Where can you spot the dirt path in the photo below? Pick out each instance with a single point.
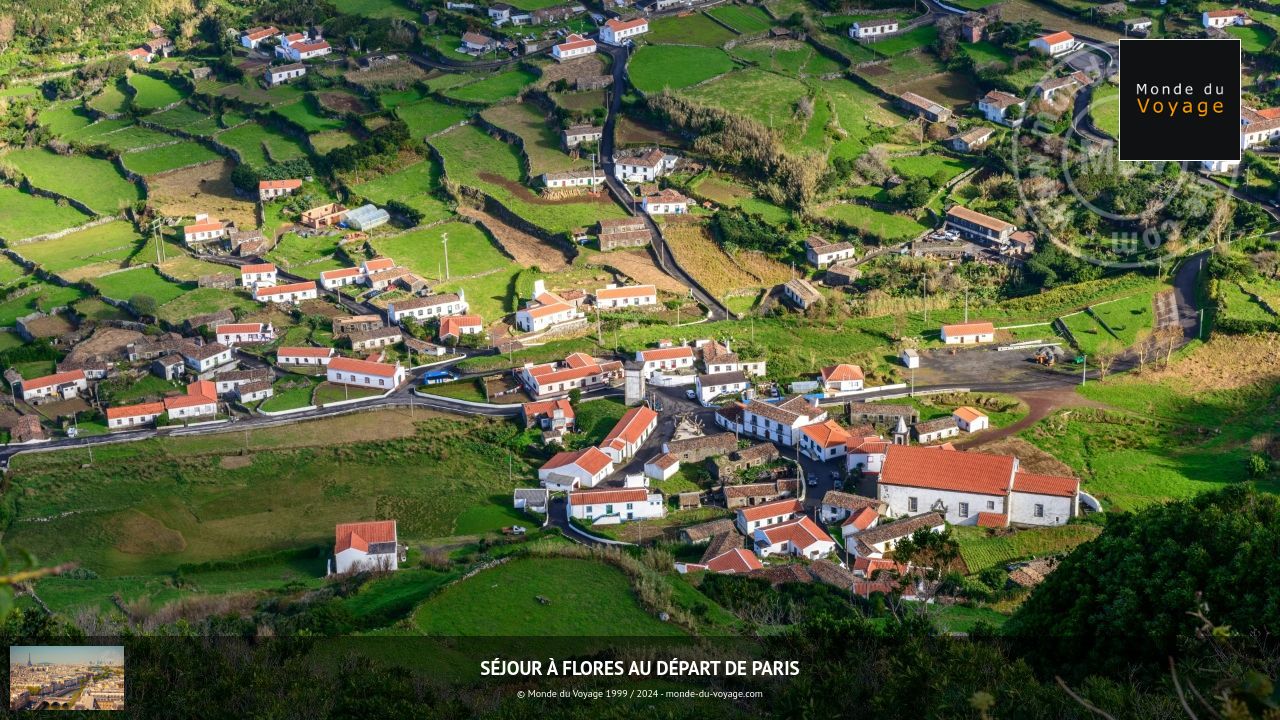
(527, 250)
(1041, 404)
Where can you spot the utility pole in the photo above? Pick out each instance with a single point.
(1084, 369)
(444, 240)
(966, 305)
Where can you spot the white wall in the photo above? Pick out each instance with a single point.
(896, 497)
(1057, 510)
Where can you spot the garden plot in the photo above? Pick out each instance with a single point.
(96, 183)
(377, 9)
(949, 88)
(326, 142)
(541, 141)
(474, 159)
(672, 67)
(471, 252)
(65, 119)
(581, 102)
(726, 192)
(187, 119)
(201, 189)
(1026, 10)
(416, 185)
(111, 100)
(722, 274)
(746, 19)
(167, 157)
(24, 216)
(151, 93)
(84, 253)
(430, 116)
(259, 145)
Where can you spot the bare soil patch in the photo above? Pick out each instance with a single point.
(527, 250)
(140, 534)
(235, 462)
(320, 307)
(639, 266)
(203, 188)
(103, 341)
(342, 103)
(1223, 363)
(398, 75)
(873, 70)
(49, 326)
(1030, 457)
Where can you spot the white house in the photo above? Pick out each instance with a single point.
(872, 29)
(607, 506)
(629, 434)
(710, 387)
(665, 202)
(865, 453)
(334, 279)
(252, 37)
(619, 32)
(303, 48)
(780, 422)
(614, 297)
(456, 326)
(969, 488)
(579, 371)
(1220, 166)
(910, 358)
(572, 470)
(662, 466)
(574, 46)
(576, 135)
(421, 308)
(877, 540)
(272, 189)
(366, 546)
(63, 385)
(749, 519)
(499, 13)
(971, 419)
(841, 378)
(718, 358)
(313, 356)
(995, 106)
(545, 310)
(1055, 44)
(203, 358)
(824, 441)
(644, 168)
(968, 333)
(365, 373)
(201, 400)
(291, 293)
(800, 537)
(239, 333)
(935, 430)
(1224, 18)
(258, 275)
(206, 230)
(838, 506)
(254, 391)
(278, 74)
(127, 416)
(801, 293)
(1257, 127)
(573, 178)
(662, 359)
(821, 253)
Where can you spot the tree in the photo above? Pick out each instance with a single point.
(929, 556)
(575, 397)
(1125, 599)
(143, 304)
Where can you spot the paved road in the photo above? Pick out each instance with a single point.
(659, 247)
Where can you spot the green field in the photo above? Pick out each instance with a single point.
(773, 103)
(430, 116)
(96, 183)
(306, 115)
(136, 519)
(378, 9)
(415, 185)
(111, 100)
(324, 142)
(167, 157)
(473, 158)
(45, 299)
(745, 19)
(392, 99)
(19, 91)
(24, 216)
(857, 112)
(981, 549)
(789, 57)
(724, 191)
(689, 30)
(110, 245)
(186, 118)
(1127, 318)
(131, 137)
(143, 280)
(200, 301)
(655, 67)
(1253, 38)
(152, 93)
(928, 165)
(910, 40)
(504, 602)
(470, 250)
(260, 145)
(541, 140)
(312, 253)
(497, 87)
(1104, 108)
(878, 224)
(65, 118)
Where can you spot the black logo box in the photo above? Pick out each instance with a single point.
(1179, 137)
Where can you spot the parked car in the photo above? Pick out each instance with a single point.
(813, 481)
(691, 394)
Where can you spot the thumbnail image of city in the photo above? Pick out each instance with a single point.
(66, 677)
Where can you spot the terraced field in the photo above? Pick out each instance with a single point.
(96, 183)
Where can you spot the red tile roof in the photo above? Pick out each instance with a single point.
(800, 532)
(258, 268)
(601, 497)
(632, 425)
(203, 227)
(617, 25)
(284, 289)
(968, 414)
(379, 263)
(593, 460)
(364, 367)
(304, 352)
(545, 407)
(360, 535)
(973, 328)
(626, 291)
(239, 328)
(826, 434)
(575, 42)
(861, 519)
(841, 373)
(978, 218)
(773, 509)
(341, 273)
(992, 520)
(734, 561)
(54, 379)
(124, 411)
(453, 324)
(672, 353)
(1061, 36)
(1026, 482)
(937, 469)
(279, 184)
